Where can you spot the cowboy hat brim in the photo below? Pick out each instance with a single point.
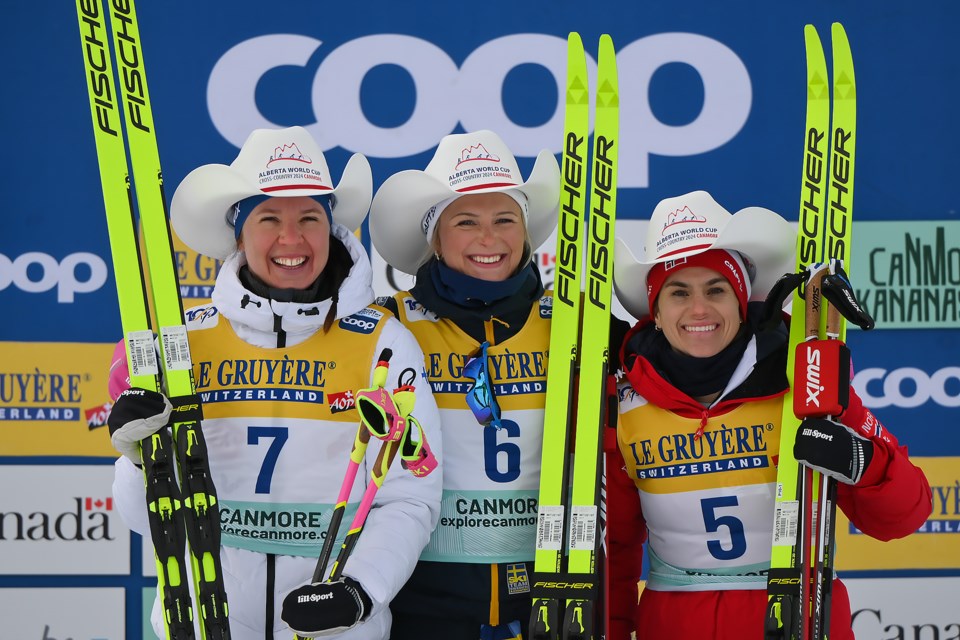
(400, 203)
(199, 208)
(762, 236)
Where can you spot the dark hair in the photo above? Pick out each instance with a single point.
(334, 273)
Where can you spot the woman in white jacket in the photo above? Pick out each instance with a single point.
(291, 334)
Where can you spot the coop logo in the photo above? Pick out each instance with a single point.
(36, 272)
(87, 520)
(908, 387)
(358, 323)
(448, 95)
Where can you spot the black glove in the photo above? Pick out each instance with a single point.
(137, 414)
(832, 449)
(325, 608)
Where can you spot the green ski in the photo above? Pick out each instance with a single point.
(566, 588)
(594, 352)
(839, 232)
(801, 568)
(184, 516)
(549, 589)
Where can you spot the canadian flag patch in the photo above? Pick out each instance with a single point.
(98, 504)
(342, 401)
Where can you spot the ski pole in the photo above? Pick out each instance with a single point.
(415, 453)
(810, 367)
(385, 416)
(822, 377)
(826, 511)
(838, 291)
(357, 452)
(384, 459)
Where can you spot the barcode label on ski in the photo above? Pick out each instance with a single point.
(550, 528)
(785, 523)
(583, 528)
(143, 356)
(176, 349)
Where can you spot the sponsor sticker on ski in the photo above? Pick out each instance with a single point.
(143, 357)
(176, 348)
(785, 523)
(583, 525)
(549, 527)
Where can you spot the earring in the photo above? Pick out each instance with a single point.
(657, 327)
(437, 255)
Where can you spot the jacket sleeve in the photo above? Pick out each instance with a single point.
(128, 486)
(626, 533)
(406, 508)
(893, 498)
(130, 496)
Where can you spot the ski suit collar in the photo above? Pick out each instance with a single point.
(506, 315)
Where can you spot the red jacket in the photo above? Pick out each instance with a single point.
(891, 501)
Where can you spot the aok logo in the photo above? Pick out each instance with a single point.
(471, 94)
(36, 272)
(908, 387)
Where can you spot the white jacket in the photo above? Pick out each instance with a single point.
(406, 508)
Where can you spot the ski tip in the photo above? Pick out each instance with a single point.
(810, 33)
(605, 48)
(838, 33)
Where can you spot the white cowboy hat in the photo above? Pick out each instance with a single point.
(693, 223)
(281, 163)
(463, 164)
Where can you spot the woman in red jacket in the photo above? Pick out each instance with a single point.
(699, 433)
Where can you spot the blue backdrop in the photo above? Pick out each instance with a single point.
(712, 98)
